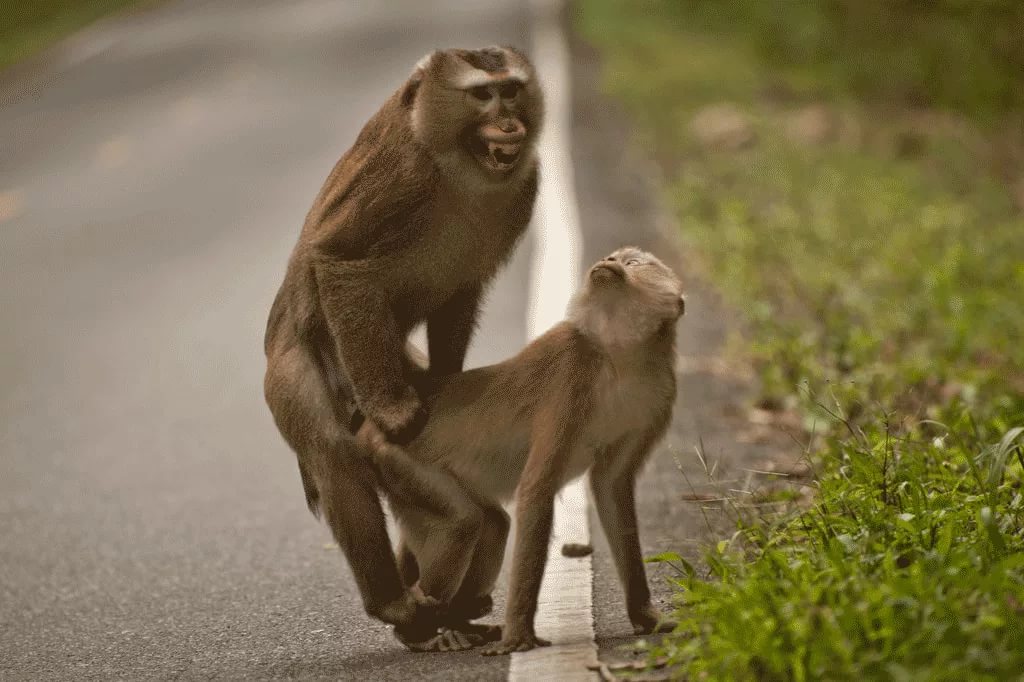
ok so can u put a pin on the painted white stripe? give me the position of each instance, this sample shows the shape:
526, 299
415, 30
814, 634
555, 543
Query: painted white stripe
564, 613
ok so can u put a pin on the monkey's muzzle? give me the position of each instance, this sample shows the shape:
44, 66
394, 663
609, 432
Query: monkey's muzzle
608, 270
501, 143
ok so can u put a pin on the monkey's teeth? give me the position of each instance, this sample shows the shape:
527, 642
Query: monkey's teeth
503, 155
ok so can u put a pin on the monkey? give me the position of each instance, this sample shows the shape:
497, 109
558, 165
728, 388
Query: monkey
410, 226
596, 393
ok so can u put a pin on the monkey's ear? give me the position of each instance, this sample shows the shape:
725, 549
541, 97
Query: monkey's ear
682, 304
411, 88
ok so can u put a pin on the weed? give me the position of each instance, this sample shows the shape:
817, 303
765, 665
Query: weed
875, 255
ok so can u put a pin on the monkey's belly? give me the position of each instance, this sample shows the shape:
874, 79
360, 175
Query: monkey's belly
489, 461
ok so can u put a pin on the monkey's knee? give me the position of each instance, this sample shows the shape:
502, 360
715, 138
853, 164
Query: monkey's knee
466, 524
498, 523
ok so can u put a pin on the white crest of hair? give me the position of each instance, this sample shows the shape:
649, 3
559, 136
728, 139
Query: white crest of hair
518, 73
471, 78
423, 62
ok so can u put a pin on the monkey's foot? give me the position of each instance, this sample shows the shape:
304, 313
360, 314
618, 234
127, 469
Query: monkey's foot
446, 639
521, 643
650, 620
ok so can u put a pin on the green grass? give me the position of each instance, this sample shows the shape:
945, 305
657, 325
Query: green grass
28, 26
879, 272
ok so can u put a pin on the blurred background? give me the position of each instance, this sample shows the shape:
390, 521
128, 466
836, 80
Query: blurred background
850, 175
847, 177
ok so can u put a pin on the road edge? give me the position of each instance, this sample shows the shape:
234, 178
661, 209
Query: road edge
565, 606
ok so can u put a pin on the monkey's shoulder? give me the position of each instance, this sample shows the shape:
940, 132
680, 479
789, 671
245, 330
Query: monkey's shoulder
376, 199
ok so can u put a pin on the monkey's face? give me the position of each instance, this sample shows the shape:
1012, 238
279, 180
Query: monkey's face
481, 105
631, 291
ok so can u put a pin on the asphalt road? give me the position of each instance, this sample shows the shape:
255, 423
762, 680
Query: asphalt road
154, 173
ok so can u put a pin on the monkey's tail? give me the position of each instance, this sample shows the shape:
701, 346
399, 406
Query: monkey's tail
312, 493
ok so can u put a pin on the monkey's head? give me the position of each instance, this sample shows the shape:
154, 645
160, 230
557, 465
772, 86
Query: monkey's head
476, 108
628, 297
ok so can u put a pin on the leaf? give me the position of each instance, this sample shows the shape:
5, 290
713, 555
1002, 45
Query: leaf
1001, 453
663, 557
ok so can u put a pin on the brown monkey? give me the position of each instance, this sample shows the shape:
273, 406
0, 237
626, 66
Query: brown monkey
595, 392
410, 226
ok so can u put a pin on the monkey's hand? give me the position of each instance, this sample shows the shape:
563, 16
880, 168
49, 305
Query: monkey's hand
648, 619
401, 420
513, 642
446, 639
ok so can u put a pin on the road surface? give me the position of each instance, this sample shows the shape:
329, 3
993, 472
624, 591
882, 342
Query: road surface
154, 172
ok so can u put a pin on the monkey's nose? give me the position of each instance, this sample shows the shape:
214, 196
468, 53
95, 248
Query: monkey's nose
512, 125
499, 132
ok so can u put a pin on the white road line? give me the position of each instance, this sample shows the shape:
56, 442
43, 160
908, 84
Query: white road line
564, 614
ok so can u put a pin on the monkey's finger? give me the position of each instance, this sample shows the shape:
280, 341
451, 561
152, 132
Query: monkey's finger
463, 640
453, 640
433, 644
499, 649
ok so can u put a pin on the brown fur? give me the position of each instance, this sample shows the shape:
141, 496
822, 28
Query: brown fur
410, 226
593, 393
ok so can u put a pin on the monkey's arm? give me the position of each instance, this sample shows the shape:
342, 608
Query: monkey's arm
371, 348
613, 481
450, 328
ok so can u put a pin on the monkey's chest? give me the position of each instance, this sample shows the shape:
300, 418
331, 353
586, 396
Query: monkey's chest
459, 248
624, 409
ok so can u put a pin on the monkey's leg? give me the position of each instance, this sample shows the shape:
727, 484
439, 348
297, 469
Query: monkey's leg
345, 486
473, 600
449, 329
612, 481
440, 527
451, 521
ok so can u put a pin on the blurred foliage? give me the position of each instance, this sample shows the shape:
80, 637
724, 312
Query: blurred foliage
27, 26
965, 55
849, 174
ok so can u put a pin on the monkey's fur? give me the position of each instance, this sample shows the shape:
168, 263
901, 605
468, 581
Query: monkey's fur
595, 392
410, 226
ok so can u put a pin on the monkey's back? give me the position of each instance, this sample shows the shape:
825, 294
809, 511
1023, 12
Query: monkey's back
482, 420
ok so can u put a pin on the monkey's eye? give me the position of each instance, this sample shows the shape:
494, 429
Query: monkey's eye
633, 261
481, 92
508, 90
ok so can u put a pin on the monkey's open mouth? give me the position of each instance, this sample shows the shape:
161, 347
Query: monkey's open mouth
495, 156
496, 148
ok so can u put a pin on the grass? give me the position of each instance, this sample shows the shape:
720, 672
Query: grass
876, 259
28, 26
